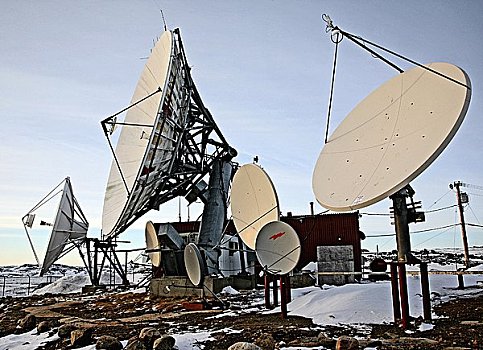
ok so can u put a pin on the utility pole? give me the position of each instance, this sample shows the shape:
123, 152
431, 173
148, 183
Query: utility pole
457, 185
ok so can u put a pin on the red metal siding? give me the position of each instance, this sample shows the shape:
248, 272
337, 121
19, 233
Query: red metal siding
326, 230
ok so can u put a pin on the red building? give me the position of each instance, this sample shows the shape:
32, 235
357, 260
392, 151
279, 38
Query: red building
313, 230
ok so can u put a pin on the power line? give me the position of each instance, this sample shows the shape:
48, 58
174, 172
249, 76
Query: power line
421, 231
436, 228
427, 211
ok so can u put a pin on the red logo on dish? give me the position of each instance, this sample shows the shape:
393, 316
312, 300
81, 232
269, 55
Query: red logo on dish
277, 235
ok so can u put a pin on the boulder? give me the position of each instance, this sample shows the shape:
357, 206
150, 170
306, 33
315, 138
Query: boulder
65, 330
347, 343
107, 342
135, 345
244, 346
166, 342
326, 341
265, 341
81, 337
27, 323
43, 326
148, 335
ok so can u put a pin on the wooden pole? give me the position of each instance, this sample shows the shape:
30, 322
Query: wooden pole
457, 185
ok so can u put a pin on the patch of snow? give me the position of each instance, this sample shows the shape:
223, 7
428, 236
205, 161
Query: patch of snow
65, 285
425, 327
371, 302
229, 290
192, 340
26, 341
311, 266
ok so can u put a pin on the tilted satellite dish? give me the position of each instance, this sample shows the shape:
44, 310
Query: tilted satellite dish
390, 137
69, 229
278, 247
195, 264
254, 202
152, 243
167, 143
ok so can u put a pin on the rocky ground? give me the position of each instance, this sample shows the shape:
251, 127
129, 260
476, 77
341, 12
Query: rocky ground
124, 315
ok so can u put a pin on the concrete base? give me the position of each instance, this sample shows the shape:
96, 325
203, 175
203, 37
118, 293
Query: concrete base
181, 286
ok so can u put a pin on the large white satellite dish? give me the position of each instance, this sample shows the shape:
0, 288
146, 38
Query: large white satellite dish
194, 264
254, 202
132, 154
69, 229
168, 140
278, 247
390, 137
152, 243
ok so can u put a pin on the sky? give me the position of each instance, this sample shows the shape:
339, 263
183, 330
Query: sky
263, 69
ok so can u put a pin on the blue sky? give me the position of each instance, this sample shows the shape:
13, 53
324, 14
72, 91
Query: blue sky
263, 69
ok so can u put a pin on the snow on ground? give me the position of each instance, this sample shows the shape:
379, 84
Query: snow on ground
26, 341
371, 302
66, 285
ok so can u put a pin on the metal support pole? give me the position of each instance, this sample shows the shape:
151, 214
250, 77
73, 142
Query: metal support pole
425, 291
241, 251
396, 304
283, 296
96, 275
214, 213
28, 287
403, 290
275, 291
288, 289
125, 265
461, 282
401, 225
267, 290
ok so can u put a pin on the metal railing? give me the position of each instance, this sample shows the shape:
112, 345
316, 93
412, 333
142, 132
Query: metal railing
23, 285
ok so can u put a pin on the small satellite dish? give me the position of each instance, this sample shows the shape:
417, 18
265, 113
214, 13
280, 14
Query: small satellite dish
69, 229
194, 264
152, 243
254, 202
278, 247
390, 137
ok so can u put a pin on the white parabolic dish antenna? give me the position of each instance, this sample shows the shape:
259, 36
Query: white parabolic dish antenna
254, 202
194, 264
152, 243
70, 227
278, 247
390, 137
131, 150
